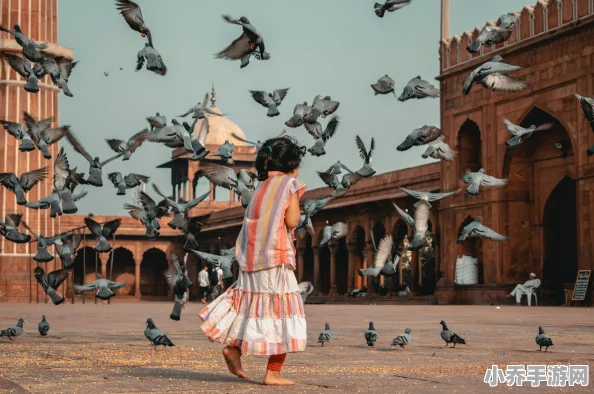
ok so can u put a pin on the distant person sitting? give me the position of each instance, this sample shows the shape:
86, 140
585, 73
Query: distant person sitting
527, 288
405, 292
204, 283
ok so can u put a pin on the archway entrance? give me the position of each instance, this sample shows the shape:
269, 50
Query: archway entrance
152, 280
124, 270
559, 241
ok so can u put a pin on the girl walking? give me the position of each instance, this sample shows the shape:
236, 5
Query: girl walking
262, 313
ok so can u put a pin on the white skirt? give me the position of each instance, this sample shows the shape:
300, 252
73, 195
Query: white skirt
261, 314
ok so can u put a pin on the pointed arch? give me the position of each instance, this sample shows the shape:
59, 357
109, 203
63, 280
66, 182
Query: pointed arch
469, 147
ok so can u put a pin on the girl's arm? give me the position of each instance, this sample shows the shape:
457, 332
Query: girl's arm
293, 213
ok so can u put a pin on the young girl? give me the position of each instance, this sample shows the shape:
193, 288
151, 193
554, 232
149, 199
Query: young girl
262, 313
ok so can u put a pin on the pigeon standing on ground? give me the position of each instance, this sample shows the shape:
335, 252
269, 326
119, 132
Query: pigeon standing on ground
24, 69
519, 134
192, 228
154, 61
299, 112
450, 336
494, 75
133, 16
474, 228
403, 340
371, 335
419, 89
67, 249
488, 36
249, 43
427, 196
322, 137
128, 147
14, 331
419, 223
108, 230
325, 335
440, 150
178, 281
367, 155
43, 326
225, 152
420, 137
543, 339
129, 181
19, 131
42, 255
305, 290
270, 100
42, 135
479, 178
384, 85
30, 48
390, 6
104, 287
155, 335
10, 229
588, 109
51, 282
59, 72
180, 209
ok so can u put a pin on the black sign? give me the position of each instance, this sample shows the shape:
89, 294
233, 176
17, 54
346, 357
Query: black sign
581, 285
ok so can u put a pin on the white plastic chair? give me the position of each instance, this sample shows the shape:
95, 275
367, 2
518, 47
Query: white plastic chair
532, 293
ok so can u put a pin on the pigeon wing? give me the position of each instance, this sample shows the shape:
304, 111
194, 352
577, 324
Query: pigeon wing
330, 128
279, 95
221, 175
93, 226
136, 140
13, 129
32, 178
18, 64
489, 181
503, 83
78, 147
111, 227
407, 218
383, 252
55, 278
259, 96
115, 144
412, 193
362, 150
238, 49
485, 232
131, 13
61, 170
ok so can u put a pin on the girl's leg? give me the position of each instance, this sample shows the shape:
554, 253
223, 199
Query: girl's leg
273, 375
232, 356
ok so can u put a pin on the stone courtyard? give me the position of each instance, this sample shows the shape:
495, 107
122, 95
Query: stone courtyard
101, 349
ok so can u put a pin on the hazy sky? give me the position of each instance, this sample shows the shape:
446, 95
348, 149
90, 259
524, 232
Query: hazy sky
329, 47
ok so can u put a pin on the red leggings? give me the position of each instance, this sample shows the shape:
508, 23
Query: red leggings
275, 362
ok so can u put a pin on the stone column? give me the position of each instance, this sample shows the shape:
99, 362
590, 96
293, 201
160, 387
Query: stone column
104, 266
351, 267
316, 269
232, 195
212, 192
369, 253
333, 249
186, 191
300, 264
137, 294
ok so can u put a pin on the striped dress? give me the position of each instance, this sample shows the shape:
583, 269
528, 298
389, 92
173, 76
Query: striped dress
262, 313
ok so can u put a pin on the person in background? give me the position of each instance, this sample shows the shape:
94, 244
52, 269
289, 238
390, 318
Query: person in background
520, 290
204, 283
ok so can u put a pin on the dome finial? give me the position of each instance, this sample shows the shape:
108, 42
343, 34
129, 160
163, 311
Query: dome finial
213, 99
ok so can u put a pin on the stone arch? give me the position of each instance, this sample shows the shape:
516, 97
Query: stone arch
152, 281
469, 147
84, 264
124, 270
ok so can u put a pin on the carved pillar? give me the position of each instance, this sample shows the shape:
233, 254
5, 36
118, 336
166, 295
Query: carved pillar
351, 267
300, 264
333, 250
212, 191
186, 191
370, 258
137, 294
104, 267
316, 269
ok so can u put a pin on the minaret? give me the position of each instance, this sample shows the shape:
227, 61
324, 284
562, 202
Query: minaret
445, 19
213, 99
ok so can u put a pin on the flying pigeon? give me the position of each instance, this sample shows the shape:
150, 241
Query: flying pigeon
149, 214
155, 335
42, 135
418, 137
419, 89
133, 16
390, 6
104, 287
403, 340
30, 48
224, 262
325, 335
14, 331
588, 109
440, 150
299, 112
108, 230
488, 36
331, 179
384, 85
200, 110
10, 229
52, 202
43, 326
59, 71
479, 178
199, 151
474, 228
154, 61
51, 282
494, 75
311, 207
337, 168
128, 147
24, 69
519, 133
450, 336
371, 335
180, 209
225, 152
178, 281
335, 232
305, 225
19, 131
20, 186
249, 43
227, 252
543, 339
321, 106
305, 290
384, 258
427, 197
367, 155
322, 137
157, 121
172, 136
106, 73
42, 255
419, 223
67, 249
225, 177
129, 181
192, 227
270, 100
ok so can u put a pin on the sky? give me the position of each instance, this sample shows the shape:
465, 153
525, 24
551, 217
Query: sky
330, 47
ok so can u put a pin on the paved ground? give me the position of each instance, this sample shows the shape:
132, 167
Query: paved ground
101, 348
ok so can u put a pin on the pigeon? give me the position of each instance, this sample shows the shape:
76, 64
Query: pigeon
508, 20
128, 147
224, 262
331, 179
24, 69
337, 168
367, 155
67, 250
311, 207
384, 85
588, 109
172, 136
51, 282
479, 178
43, 326
427, 196
19, 131
154, 61
155, 335
157, 121
104, 287
403, 340
419, 89
149, 214
52, 202
10, 229
325, 335
42, 255
270, 100
543, 339
192, 227
440, 150
257, 144
249, 43
488, 36
383, 257
42, 135
133, 16
418, 137
95, 165
390, 6
129, 181
225, 152
227, 252
335, 232
321, 106
106, 73
200, 110
108, 230
322, 137
225, 177
59, 71
371, 335
519, 133
305, 290
474, 228
450, 336
30, 48
247, 177
494, 75
299, 112
178, 281
14, 331
199, 151
180, 209
20, 186
305, 225
419, 223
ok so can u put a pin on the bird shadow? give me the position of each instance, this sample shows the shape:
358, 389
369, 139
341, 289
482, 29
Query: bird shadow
143, 372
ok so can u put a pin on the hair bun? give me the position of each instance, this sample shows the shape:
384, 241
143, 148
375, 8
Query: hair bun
262, 175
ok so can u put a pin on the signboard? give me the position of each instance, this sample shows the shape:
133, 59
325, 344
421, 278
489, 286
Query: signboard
581, 285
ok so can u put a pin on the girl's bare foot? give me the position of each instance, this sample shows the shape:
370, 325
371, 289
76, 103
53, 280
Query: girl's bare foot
233, 359
275, 378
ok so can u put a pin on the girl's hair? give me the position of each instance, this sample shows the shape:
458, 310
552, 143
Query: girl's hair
278, 154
